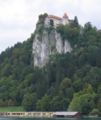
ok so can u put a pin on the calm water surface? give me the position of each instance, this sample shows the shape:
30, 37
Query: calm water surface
48, 119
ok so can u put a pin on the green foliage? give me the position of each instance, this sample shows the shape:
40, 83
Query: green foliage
43, 104
12, 109
95, 112
58, 103
70, 32
66, 88
42, 18
83, 101
71, 80
76, 23
29, 101
40, 24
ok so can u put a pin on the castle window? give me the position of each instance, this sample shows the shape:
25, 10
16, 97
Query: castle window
51, 22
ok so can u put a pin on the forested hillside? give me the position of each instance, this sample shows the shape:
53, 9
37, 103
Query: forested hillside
70, 81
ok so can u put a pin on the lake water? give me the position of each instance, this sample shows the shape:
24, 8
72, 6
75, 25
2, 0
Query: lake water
48, 119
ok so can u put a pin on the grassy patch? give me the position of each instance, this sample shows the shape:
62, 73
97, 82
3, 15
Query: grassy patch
12, 109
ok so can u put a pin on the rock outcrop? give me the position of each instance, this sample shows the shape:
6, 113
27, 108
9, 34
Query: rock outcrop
48, 43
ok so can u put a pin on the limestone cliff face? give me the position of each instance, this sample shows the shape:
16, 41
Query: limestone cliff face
47, 44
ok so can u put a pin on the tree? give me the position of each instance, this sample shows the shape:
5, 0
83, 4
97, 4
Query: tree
66, 88
93, 77
29, 101
43, 104
76, 23
70, 32
83, 101
87, 27
95, 111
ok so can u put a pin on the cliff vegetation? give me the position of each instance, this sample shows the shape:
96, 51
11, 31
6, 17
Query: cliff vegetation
69, 81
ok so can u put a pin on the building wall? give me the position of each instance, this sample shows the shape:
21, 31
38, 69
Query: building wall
63, 21
57, 22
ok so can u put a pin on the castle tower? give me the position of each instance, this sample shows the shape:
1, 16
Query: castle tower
65, 19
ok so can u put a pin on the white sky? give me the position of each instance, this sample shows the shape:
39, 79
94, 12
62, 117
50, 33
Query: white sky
18, 17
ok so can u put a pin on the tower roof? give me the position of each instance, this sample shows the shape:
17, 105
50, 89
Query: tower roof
65, 15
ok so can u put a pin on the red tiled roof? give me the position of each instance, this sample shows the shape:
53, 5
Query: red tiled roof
55, 17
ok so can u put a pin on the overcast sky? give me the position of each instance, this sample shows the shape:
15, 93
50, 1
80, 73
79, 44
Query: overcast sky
18, 17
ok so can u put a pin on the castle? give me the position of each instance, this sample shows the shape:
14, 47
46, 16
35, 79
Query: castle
49, 41
55, 20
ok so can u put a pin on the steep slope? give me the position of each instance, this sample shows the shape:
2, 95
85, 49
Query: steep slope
68, 80
15, 65
47, 42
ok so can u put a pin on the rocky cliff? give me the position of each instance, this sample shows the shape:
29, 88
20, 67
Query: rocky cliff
46, 43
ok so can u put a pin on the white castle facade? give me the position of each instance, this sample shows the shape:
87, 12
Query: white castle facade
56, 20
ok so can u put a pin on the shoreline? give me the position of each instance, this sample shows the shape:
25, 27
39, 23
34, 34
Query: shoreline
41, 114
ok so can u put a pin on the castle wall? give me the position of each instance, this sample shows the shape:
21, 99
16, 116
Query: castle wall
65, 21
56, 22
